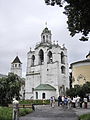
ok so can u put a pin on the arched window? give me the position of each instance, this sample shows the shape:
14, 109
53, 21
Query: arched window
36, 95
43, 38
63, 70
41, 56
15, 65
43, 95
62, 58
49, 57
33, 60
19, 65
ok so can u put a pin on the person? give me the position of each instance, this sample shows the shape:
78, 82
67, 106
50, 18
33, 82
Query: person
81, 101
78, 101
85, 102
15, 115
59, 101
69, 102
51, 101
63, 101
74, 102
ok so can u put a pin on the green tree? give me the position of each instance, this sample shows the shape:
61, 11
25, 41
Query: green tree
9, 88
82, 91
78, 14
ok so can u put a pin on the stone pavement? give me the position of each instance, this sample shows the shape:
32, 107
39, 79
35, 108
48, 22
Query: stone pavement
45, 112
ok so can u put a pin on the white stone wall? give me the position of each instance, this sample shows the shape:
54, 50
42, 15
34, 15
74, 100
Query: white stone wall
48, 94
16, 70
47, 73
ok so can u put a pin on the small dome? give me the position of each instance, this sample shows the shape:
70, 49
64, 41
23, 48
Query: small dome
46, 30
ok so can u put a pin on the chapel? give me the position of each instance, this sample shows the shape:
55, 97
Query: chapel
47, 71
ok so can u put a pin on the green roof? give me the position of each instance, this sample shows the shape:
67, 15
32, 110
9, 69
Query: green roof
45, 87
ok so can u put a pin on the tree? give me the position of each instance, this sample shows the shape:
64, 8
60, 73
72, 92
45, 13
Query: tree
9, 88
82, 91
78, 14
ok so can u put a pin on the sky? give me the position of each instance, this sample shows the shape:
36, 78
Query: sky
21, 25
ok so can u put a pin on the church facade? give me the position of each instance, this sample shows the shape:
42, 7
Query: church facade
47, 69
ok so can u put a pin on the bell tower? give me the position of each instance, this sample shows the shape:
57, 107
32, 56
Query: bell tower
16, 66
46, 35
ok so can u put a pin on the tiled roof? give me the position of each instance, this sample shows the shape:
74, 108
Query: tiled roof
45, 87
16, 60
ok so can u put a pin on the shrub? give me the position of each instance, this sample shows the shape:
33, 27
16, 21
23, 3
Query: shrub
36, 102
24, 111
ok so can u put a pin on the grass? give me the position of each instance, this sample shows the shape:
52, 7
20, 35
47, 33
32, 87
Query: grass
6, 113
85, 117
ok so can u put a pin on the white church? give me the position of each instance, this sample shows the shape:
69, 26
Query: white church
47, 69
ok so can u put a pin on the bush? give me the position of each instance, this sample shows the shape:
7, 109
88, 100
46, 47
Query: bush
85, 117
36, 102
24, 111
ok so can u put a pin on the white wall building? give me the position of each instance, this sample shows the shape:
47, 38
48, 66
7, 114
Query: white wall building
47, 69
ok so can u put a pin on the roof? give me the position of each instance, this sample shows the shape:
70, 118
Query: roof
82, 61
45, 87
46, 30
16, 60
88, 54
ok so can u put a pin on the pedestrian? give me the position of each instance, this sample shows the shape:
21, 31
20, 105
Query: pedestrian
81, 101
59, 101
51, 101
69, 102
77, 101
85, 102
63, 101
74, 102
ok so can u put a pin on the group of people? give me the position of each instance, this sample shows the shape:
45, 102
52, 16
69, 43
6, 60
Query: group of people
68, 102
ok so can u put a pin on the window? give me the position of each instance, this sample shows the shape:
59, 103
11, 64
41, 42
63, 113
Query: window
15, 65
33, 60
43, 95
36, 95
41, 56
46, 36
63, 70
62, 58
19, 65
49, 57
43, 38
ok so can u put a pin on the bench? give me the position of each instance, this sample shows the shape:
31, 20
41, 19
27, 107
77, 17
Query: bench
23, 106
